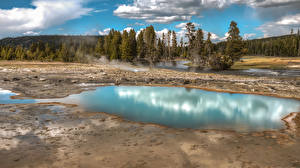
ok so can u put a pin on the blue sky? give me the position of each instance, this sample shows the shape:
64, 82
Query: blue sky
255, 18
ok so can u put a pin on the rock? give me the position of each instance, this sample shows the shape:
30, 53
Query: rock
147, 80
16, 79
43, 79
74, 81
118, 81
186, 82
87, 153
5, 80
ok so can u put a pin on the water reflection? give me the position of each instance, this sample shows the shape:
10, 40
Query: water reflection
182, 108
5, 98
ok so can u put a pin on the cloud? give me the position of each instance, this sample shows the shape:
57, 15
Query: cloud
281, 26
44, 14
166, 11
213, 37
104, 32
183, 25
31, 33
100, 10
161, 32
136, 24
128, 29
271, 3
248, 36
225, 37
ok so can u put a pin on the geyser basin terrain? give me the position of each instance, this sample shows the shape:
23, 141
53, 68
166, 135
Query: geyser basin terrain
185, 108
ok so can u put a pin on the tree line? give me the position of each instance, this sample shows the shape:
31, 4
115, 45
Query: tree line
144, 46
40, 51
286, 46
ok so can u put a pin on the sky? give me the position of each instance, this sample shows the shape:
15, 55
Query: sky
255, 18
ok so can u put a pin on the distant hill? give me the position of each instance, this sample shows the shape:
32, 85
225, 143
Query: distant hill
274, 38
286, 45
56, 40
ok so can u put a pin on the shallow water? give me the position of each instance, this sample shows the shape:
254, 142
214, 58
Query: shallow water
180, 66
5, 98
185, 108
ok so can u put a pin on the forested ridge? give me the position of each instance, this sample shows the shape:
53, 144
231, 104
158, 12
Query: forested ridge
48, 48
286, 46
283, 46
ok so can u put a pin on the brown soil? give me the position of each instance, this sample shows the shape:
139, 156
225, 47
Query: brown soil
54, 135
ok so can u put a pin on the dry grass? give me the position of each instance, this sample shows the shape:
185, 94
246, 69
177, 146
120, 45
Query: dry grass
263, 62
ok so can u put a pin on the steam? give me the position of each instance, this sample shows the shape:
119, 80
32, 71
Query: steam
123, 65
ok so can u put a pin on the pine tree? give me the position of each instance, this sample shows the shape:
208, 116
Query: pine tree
62, 53
165, 50
2, 53
133, 43
160, 48
115, 46
298, 37
10, 53
40, 52
181, 46
141, 46
197, 52
174, 45
190, 34
207, 48
234, 47
100, 47
150, 40
169, 44
106, 45
48, 52
31, 53
19, 52
125, 47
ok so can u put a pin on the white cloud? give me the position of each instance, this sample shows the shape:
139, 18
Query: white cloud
289, 20
214, 37
31, 33
183, 25
128, 29
104, 32
270, 3
100, 10
281, 26
166, 11
161, 32
225, 37
248, 36
46, 13
136, 24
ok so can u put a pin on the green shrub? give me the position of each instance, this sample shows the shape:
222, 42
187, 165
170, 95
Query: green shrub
220, 62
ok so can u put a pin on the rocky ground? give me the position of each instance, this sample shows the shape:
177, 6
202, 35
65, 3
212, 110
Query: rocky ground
58, 135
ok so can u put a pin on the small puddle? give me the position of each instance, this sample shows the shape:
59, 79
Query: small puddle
181, 107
